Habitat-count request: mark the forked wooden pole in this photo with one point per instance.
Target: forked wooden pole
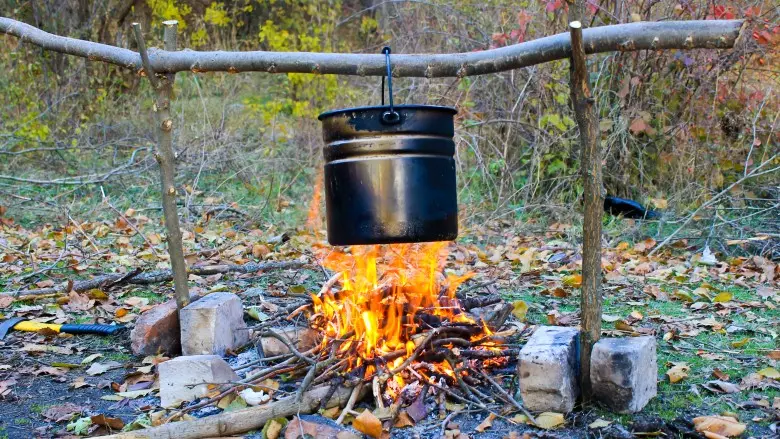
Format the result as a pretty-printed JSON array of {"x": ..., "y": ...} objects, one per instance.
[
  {"x": 590, "y": 156},
  {"x": 163, "y": 88}
]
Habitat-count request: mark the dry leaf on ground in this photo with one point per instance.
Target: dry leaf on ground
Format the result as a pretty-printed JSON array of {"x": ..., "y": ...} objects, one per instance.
[
  {"x": 368, "y": 424},
  {"x": 550, "y": 420},
  {"x": 678, "y": 372},
  {"x": 725, "y": 426},
  {"x": 486, "y": 423}
]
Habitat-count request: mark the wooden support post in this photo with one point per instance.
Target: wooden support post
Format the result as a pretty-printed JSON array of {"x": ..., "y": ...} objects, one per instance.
[
  {"x": 163, "y": 88},
  {"x": 585, "y": 113}
]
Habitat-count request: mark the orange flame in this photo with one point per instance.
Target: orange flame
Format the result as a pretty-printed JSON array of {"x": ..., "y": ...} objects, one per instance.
[
  {"x": 313, "y": 220},
  {"x": 386, "y": 291}
]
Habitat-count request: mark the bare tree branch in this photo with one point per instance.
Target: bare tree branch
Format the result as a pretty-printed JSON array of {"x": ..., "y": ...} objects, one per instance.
[{"x": 717, "y": 34}]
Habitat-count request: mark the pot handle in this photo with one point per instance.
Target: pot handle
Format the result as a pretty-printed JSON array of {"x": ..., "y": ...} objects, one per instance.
[{"x": 391, "y": 116}]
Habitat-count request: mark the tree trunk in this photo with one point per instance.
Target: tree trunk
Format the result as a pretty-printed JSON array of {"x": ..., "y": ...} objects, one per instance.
[{"x": 590, "y": 159}]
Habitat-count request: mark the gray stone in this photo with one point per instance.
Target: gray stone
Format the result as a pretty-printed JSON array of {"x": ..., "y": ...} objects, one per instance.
[
  {"x": 187, "y": 378},
  {"x": 302, "y": 339},
  {"x": 548, "y": 369},
  {"x": 624, "y": 372},
  {"x": 157, "y": 331},
  {"x": 212, "y": 325}
]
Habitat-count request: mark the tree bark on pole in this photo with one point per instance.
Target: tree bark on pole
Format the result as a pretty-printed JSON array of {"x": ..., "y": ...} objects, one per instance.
[
  {"x": 693, "y": 34},
  {"x": 166, "y": 158},
  {"x": 585, "y": 113}
]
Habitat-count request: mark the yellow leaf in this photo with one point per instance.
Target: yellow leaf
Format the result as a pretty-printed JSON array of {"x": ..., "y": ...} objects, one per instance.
[
  {"x": 678, "y": 372},
  {"x": 739, "y": 344},
  {"x": 599, "y": 423},
  {"x": 520, "y": 419},
  {"x": 454, "y": 407},
  {"x": 722, "y": 297},
  {"x": 487, "y": 423},
  {"x": 573, "y": 280},
  {"x": 274, "y": 428},
  {"x": 519, "y": 310},
  {"x": 720, "y": 425},
  {"x": 369, "y": 424},
  {"x": 550, "y": 420},
  {"x": 769, "y": 372}
]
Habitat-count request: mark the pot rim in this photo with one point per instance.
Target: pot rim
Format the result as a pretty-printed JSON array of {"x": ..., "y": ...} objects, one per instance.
[{"x": 442, "y": 108}]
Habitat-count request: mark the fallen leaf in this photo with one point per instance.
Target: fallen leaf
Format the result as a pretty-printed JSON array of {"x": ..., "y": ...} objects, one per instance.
[
  {"x": 740, "y": 343},
  {"x": 719, "y": 374},
  {"x": 403, "y": 420},
  {"x": 6, "y": 301},
  {"x": 369, "y": 424},
  {"x": 609, "y": 318},
  {"x": 599, "y": 423},
  {"x": 90, "y": 358},
  {"x": 53, "y": 371},
  {"x": 31, "y": 347},
  {"x": 486, "y": 423},
  {"x": 62, "y": 412},
  {"x": 678, "y": 372},
  {"x": 769, "y": 372},
  {"x": 332, "y": 413},
  {"x": 79, "y": 383},
  {"x": 722, "y": 297},
  {"x": 111, "y": 423},
  {"x": 237, "y": 404},
  {"x": 133, "y": 394},
  {"x": 720, "y": 425},
  {"x": 519, "y": 310},
  {"x": 718, "y": 386},
  {"x": 550, "y": 420},
  {"x": 273, "y": 428},
  {"x": 573, "y": 280},
  {"x": 99, "y": 368}
]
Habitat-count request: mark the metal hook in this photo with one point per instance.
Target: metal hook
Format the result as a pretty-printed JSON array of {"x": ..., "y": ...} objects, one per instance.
[{"x": 391, "y": 116}]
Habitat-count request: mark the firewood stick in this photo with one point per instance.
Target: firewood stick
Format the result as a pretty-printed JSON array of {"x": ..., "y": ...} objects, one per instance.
[
  {"x": 508, "y": 396},
  {"x": 329, "y": 284},
  {"x": 241, "y": 421},
  {"x": 153, "y": 277},
  {"x": 356, "y": 392},
  {"x": 375, "y": 388}
]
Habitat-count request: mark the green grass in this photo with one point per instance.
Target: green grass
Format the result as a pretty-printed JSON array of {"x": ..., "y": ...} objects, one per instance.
[
  {"x": 118, "y": 356},
  {"x": 22, "y": 421},
  {"x": 39, "y": 408}
]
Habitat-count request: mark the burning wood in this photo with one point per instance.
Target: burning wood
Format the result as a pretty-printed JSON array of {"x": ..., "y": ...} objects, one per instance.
[{"x": 396, "y": 321}]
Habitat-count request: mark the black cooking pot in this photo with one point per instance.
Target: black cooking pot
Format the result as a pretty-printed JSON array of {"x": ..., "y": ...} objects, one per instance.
[{"x": 390, "y": 174}]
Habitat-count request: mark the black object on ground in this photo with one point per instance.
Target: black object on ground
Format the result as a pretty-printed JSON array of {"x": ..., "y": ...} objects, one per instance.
[{"x": 628, "y": 208}]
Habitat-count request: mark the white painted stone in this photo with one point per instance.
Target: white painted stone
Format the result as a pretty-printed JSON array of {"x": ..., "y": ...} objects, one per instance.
[
  {"x": 624, "y": 372},
  {"x": 212, "y": 325},
  {"x": 548, "y": 368},
  {"x": 186, "y": 378}
]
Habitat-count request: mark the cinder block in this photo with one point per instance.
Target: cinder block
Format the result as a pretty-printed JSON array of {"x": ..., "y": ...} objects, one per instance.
[
  {"x": 624, "y": 372},
  {"x": 212, "y": 325},
  {"x": 186, "y": 378},
  {"x": 157, "y": 331},
  {"x": 548, "y": 369}
]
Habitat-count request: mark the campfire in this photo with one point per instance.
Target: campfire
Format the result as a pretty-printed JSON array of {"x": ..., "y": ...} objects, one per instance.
[{"x": 391, "y": 316}]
